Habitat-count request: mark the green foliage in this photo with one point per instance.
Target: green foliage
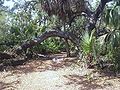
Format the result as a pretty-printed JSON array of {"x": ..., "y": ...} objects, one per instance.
[
  {"x": 26, "y": 25},
  {"x": 90, "y": 47},
  {"x": 87, "y": 42},
  {"x": 113, "y": 48},
  {"x": 51, "y": 45},
  {"x": 110, "y": 48},
  {"x": 112, "y": 17}
]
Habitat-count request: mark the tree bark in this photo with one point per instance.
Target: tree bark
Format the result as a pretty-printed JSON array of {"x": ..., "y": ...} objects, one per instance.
[
  {"x": 44, "y": 36},
  {"x": 67, "y": 48},
  {"x": 5, "y": 56},
  {"x": 93, "y": 17}
]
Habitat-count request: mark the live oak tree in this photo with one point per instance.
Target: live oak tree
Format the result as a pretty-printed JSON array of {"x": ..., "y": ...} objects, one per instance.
[{"x": 67, "y": 11}]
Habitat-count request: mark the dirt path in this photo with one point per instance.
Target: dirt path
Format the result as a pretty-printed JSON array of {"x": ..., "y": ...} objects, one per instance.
[{"x": 51, "y": 75}]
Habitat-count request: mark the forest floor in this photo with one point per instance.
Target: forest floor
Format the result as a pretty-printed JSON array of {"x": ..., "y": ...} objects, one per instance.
[{"x": 60, "y": 73}]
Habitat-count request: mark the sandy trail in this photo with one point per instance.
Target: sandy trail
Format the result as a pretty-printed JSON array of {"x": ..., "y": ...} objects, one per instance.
[{"x": 37, "y": 75}]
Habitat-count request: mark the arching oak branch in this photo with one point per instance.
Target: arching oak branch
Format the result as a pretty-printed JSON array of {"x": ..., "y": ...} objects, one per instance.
[{"x": 47, "y": 34}]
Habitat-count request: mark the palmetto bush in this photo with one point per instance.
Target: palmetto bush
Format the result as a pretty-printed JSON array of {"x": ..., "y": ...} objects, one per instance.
[
  {"x": 87, "y": 42},
  {"x": 113, "y": 38},
  {"x": 89, "y": 47},
  {"x": 113, "y": 48}
]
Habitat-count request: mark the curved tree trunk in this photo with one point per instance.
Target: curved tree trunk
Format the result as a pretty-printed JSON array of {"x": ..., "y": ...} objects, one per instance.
[{"x": 44, "y": 36}]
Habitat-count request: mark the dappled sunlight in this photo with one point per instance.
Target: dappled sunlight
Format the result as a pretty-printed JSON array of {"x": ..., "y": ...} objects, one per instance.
[
  {"x": 47, "y": 74},
  {"x": 82, "y": 82},
  {"x": 93, "y": 83}
]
